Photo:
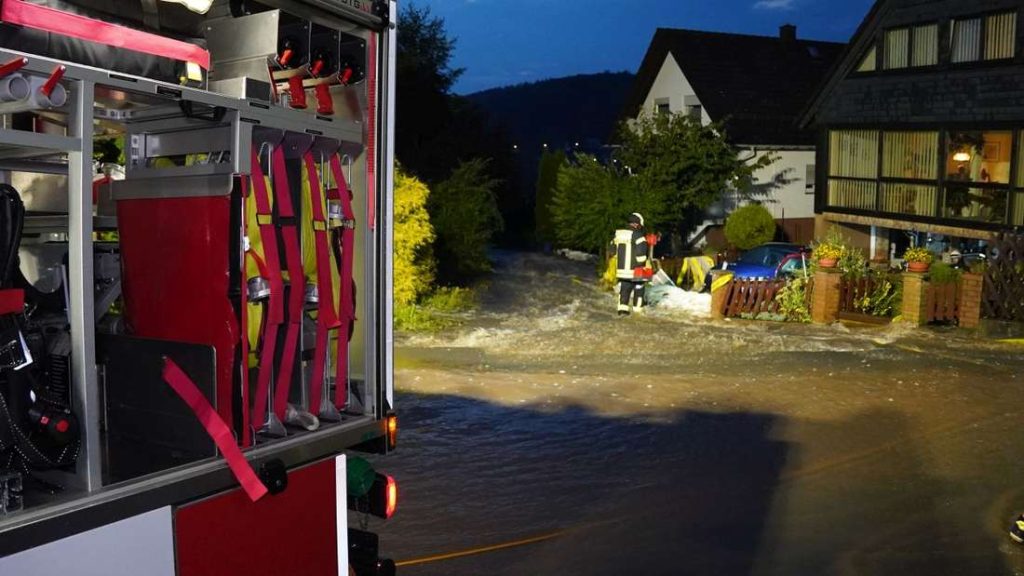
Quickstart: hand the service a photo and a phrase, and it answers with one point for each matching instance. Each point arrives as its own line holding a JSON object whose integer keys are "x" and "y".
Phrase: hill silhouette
{"x": 559, "y": 112}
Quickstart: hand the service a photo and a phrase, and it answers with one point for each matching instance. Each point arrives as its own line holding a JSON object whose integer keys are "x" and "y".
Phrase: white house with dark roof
{"x": 757, "y": 87}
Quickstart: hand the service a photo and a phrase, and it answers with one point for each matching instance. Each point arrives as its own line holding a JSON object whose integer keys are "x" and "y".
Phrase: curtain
{"x": 966, "y": 41}
{"x": 896, "y": 44}
{"x": 926, "y": 46}
{"x": 910, "y": 155}
{"x": 853, "y": 153}
{"x": 1000, "y": 35}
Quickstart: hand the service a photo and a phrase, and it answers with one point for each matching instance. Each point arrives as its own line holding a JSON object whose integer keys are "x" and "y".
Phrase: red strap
{"x": 371, "y": 135}
{"x": 316, "y": 387}
{"x": 216, "y": 428}
{"x": 327, "y": 317}
{"x": 275, "y": 313}
{"x": 325, "y": 285}
{"x": 12, "y": 301}
{"x": 346, "y": 310}
{"x": 296, "y": 280}
{"x": 244, "y": 331}
{"x": 66, "y": 24}
{"x": 268, "y": 232}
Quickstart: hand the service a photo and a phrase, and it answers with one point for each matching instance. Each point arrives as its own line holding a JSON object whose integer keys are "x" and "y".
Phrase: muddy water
{"x": 668, "y": 444}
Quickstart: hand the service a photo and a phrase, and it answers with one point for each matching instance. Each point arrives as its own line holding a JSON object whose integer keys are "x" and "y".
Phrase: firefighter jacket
{"x": 631, "y": 253}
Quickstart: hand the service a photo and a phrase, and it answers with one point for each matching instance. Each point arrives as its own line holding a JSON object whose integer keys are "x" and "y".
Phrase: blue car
{"x": 769, "y": 261}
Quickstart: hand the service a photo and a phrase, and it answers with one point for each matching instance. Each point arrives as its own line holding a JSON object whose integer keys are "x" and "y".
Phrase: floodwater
{"x": 544, "y": 435}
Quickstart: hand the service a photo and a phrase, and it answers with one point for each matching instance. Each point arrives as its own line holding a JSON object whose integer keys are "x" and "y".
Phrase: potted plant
{"x": 918, "y": 259}
{"x": 827, "y": 254}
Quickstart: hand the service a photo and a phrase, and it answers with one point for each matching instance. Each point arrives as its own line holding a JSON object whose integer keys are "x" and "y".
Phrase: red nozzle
{"x": 317, "y": 67}
{"x": 52, "y": 81}
{"x": 13, "y": 66}
{"x": 346, "y": 75}
{"x": 285, "y": 57}
{"x": 296, "y": 92}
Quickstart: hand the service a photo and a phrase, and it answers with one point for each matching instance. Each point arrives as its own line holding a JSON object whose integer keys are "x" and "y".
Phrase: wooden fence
{"x": 943, "y": 302}
{"x": 851, "y": 290}
{"x": 1003, "y": 294}
{"x": 747, "y": 297}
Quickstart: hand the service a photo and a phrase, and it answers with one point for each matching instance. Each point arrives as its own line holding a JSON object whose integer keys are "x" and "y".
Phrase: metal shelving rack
{"x": 149, "y": 113}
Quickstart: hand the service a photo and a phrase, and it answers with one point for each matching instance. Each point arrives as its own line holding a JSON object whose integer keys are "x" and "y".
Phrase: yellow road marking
{"x": 482, "y": 549}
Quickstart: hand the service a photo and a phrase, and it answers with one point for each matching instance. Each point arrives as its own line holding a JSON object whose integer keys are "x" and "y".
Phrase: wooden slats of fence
{"x": 1003, "y": 296}
{"x": 943, "y": 302}
{"x": 853, "y": 289}
{"x": 752, "y": 297}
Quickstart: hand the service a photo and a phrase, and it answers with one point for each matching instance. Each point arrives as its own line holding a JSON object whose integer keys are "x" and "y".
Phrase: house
{"x": 919, "y": 127}
{"x": 757, "y": 86}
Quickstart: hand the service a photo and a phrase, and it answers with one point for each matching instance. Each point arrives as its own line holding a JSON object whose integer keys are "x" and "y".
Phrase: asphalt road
{"x": 543, "y": 436}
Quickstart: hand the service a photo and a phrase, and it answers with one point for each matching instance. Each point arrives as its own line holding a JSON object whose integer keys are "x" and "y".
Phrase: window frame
{"x": 983, "y": 39}
{"x": 1014, "y": 193}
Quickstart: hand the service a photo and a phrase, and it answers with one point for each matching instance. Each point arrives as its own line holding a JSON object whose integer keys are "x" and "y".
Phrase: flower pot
{"x": 827, "y": 262}
{"x": 917, "y": 266}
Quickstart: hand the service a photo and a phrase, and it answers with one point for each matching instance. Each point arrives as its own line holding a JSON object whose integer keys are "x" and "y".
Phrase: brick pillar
{"x": 721, "y": 280}
{"x": 915, "y": 300}
{"x": 970, "y": 299}
{"x": 825, "y": 296}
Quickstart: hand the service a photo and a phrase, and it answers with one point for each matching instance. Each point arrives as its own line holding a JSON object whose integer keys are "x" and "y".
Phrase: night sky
{"x": 503, "y": 42}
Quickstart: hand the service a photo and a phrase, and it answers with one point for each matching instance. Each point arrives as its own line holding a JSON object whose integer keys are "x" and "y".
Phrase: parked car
{"x": 770, "y": 260}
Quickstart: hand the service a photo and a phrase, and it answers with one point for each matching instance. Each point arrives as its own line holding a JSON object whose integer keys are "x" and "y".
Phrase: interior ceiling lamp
{"x": 962, "y": 156}
{"x": 198, "y": 6}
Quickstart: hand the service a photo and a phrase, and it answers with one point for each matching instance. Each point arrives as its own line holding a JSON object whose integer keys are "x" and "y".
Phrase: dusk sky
{"x": 503, "y": 42}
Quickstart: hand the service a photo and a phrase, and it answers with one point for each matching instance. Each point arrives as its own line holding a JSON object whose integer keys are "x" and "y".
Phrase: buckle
{"x": 258, "y": 289}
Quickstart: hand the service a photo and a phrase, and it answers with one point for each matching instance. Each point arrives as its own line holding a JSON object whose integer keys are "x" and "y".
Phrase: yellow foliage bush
{"x": 414, "y": 237}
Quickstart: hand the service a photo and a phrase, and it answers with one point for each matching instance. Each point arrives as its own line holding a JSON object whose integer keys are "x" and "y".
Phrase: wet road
{"x": 668, "y": 444}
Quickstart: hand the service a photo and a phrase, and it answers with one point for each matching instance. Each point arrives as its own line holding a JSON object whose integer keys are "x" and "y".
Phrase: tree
{"x": 464, "y": 212}
{"x": 749, "y": 226}
{"x": 547, "y": 180}
{"x": 683, "y": 164}
{"x": 424, "y": 79}
{"x": 413, "y": 260}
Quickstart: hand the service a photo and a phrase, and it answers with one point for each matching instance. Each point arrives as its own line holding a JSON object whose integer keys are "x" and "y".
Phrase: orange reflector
{"x": 392, "y": 498}
{"x": 392, "y": 431}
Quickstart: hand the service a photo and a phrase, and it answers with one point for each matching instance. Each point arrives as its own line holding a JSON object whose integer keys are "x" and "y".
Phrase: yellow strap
{"x": 721, "y": 282}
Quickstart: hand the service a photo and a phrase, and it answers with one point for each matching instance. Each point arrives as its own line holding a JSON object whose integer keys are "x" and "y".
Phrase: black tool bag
{"x": 164, "y": 18}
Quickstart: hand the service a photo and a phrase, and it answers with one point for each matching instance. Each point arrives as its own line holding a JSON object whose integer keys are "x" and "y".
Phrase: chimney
{"x": 787, "y": 32}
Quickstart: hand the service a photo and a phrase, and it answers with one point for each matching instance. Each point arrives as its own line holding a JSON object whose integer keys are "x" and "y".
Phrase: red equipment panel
{"x": 294, "y": 532}
{"x": 174, "y": 253}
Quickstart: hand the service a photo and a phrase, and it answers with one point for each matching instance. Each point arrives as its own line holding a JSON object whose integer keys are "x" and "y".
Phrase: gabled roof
{"x": 847, "y": 61}
{"x": 758, "y": 85}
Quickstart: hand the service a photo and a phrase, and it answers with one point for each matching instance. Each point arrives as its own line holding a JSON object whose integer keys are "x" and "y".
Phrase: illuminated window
{"x": 868, "y": 63}
{"x": 1000, "y": 36}
{"x": 977, "y": 168}
{"x": 965, "y": 41}
{"x": 926, "y": 46}
{"x": 897, "y": 46}
{"x": 853, "y": 169}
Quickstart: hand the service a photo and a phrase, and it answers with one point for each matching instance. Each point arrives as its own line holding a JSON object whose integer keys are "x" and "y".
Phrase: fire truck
{"x": 195, "y": 286}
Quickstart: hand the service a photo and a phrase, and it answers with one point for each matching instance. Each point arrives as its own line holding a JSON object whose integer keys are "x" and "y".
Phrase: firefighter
{"x": 632, "y": 264}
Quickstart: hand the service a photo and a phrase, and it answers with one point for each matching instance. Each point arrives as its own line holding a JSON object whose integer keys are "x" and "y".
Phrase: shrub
{"x": 464, "y": 213}
{"x": 792, "y": 300}
{"x": 942, "y": 273}
{"x": 414, "y": 264}
{"x": 885, "y": 299}
{"x": 750, "y": 226}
